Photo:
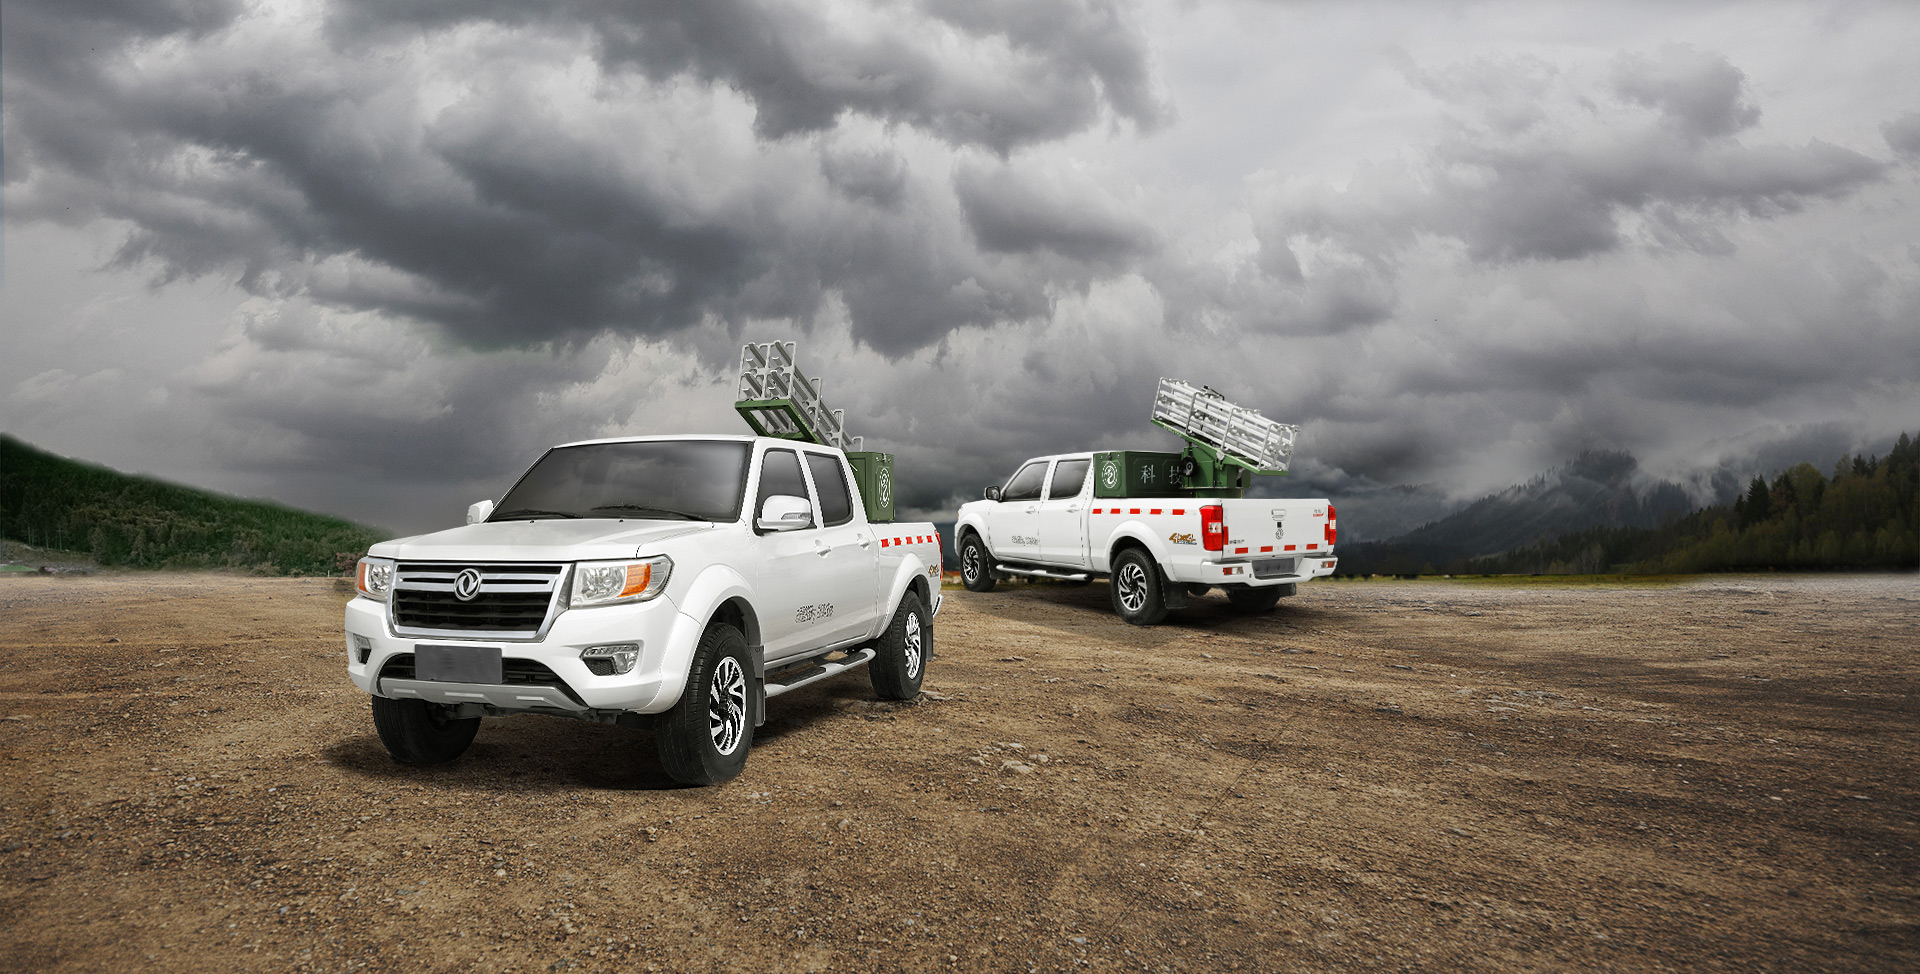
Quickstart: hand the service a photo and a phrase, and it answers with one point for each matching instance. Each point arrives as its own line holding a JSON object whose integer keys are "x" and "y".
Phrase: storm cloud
{"x": 371, "y": 257}
{"x": 518, "y": 173}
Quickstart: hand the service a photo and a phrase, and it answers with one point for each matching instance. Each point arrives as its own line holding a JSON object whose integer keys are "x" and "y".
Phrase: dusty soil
{"x": 1714, "y": 775}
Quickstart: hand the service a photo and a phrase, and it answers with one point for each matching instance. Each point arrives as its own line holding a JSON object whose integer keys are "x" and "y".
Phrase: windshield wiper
{"x": 683, "y": 515}
{"x": 530, "y": 513}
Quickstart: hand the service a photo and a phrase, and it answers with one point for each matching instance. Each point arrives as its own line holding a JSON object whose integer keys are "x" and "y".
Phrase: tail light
{"x": 1213, "y": 527}
{"x": 1333, "y": 530}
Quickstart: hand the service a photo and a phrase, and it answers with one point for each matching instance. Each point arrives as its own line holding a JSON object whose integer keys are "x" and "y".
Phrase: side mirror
{"x": 784, "y": 512}
{"x": 991, "y": 493}
{"x": 479, "y": 512}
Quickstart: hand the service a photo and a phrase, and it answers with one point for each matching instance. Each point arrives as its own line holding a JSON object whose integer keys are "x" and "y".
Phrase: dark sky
{"x": 370, "y": 257}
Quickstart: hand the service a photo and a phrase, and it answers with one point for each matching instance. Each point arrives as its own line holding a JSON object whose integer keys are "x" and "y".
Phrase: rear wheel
{"x": 1255, "y": 599}
{"x": 704, "y": 739}
{"x": 1136, "y": 589}
{"x": 900, "y": 660}
{"x": 418, "y": 732}
{"x": 976, "y": 564}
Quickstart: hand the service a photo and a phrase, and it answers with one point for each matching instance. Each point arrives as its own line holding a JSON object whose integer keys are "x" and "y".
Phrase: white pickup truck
{"x": 675, "y": 582}
{"x": 1048, "y": 522}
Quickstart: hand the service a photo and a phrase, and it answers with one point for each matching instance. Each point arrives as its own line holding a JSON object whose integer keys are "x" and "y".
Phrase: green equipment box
{"x": 874, "y": 473}
{"x": 1135, "y": 473}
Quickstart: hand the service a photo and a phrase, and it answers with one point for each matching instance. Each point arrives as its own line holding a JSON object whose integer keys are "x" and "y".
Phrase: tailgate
{"x": 1276, "y": 534}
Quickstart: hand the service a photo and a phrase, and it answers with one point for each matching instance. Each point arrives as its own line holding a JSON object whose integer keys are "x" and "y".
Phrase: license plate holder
{"x": 1274, "y": 567}
{"x": 457, "y": 664}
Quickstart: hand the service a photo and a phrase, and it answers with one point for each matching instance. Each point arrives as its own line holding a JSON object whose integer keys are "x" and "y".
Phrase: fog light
{"x": 611, "y": 659}
{"x": 362, "y": 648}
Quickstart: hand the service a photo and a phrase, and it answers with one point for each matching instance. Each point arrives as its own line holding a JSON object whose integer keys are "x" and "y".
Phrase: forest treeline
{"x": 52, "y": 502}
{"x": 1865, "y": 516}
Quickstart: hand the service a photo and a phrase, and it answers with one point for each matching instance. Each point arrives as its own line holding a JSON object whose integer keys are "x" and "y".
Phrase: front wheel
{"x": 1136, "y": 589}
{"x": 418, "y": 732}
{"x": 976, "y": 564}
{"x": 900, "y": 660}
{"x": 704, "y": 739}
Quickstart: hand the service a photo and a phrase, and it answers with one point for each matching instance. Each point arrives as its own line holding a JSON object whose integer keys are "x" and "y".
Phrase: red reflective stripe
{"x": 1155, "y": 511}
{"x": 1311, "y": 547}
{"x": 1239, "y": 551}
{"x": 1136, "y": 510}
{"x": 1179, "y": 510}
{"x": 1266, "y": 548}
{"x": 1292, "y": 546}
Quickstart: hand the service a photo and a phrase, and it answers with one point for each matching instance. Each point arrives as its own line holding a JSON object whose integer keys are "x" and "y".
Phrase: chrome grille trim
{"x": 516, "y": 601}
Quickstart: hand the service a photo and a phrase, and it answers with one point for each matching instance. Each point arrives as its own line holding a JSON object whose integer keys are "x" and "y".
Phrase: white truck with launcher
{"x": 1163, "y": 527}
{"x": 671, "y": 582}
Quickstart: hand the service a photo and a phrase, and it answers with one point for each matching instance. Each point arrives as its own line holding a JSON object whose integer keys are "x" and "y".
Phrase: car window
{"x": 1025, "y": 485}
{"x": 779, "y": 474}
{"x": 1068, "y": 477}
{"x": 836, "y": 502}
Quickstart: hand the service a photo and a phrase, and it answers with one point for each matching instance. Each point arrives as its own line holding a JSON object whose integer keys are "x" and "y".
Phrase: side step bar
{"x": 1064, "y": 576}
{"x": 818, "y": 672}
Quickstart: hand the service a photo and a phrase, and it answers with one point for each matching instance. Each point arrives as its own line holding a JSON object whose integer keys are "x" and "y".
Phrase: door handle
{"x": 865, "y": 541}
{"x": 821, "y": 549}
{"x": 1032, "y": 508}
{"x": 1075, "y": 509}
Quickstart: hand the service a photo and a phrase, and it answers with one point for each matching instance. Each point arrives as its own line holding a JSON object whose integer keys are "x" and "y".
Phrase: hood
{"x": 556, "y": 539}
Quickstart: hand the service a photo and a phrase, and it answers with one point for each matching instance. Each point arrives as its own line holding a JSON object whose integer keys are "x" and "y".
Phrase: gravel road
{"x": 1708, "y": 775}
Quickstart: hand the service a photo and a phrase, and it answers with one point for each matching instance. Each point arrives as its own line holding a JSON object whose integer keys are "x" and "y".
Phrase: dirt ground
{"x": 1711, "y": 775}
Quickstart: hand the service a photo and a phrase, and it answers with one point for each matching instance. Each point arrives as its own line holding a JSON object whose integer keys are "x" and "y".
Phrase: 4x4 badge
{"x": 466, "y": 585}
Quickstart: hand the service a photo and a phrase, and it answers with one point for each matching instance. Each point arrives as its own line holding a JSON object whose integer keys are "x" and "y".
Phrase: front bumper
{"x": 651, "y": 687}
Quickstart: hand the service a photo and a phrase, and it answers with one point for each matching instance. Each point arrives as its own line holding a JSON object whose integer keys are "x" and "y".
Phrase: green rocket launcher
{"x": 1225, "y": 442}
{"x": 777, "y": 400}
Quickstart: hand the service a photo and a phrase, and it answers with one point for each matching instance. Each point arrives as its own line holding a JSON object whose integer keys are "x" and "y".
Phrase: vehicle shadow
{"x": 1033, "y": 604}
{"x": 534, "y": 752}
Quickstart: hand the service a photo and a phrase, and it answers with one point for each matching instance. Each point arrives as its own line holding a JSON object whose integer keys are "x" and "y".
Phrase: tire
{"x": 418, "y": 732}
{"x": 976, "y": 564}
{"x": 1252, "y": 599}
{"x": 704, "y": 738}
{"x": 1136, "y": 589}
{"x": 902, "y": 652}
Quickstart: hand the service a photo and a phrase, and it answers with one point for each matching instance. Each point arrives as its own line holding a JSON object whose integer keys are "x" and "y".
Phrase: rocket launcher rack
{"x": 777, "y": 400}
{"x": 1220, "y": 438}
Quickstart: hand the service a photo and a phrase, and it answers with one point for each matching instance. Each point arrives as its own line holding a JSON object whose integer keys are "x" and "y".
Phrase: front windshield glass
{"x": 673, "y": 480}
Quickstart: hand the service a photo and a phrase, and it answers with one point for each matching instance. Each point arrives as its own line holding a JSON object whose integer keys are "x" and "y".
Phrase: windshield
{"x": 673, "y": 480}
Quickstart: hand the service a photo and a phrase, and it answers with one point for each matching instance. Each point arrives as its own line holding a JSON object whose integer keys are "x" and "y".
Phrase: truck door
{"x": 1013, "y": 527}
{"x": 785, "y": 563}
{"x": 1062, "y": 519}
{"x": 847, "y": 576}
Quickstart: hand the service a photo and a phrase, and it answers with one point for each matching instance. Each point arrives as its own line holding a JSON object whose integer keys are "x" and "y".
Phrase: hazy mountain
{"x": 1596, "y": 489}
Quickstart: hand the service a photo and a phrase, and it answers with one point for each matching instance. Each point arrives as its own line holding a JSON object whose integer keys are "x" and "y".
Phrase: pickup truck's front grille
{"x": 509, "y": 602}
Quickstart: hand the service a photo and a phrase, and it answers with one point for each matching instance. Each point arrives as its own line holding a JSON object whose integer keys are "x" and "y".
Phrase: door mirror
{"x": 991, "y": 493}
{"x": 479, "y": 512}
{"x": 784, "y": 512}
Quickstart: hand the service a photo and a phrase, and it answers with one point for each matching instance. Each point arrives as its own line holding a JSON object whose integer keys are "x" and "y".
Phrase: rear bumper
{"x": 1240, "y": 571}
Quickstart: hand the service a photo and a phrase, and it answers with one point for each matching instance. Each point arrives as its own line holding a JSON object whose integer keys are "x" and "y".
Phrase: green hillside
{"x": 139, "y": 522}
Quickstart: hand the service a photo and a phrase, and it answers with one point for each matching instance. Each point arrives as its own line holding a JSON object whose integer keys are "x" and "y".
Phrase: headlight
{"x": 374, "y": 578}
{"x": 611, "y": 582}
